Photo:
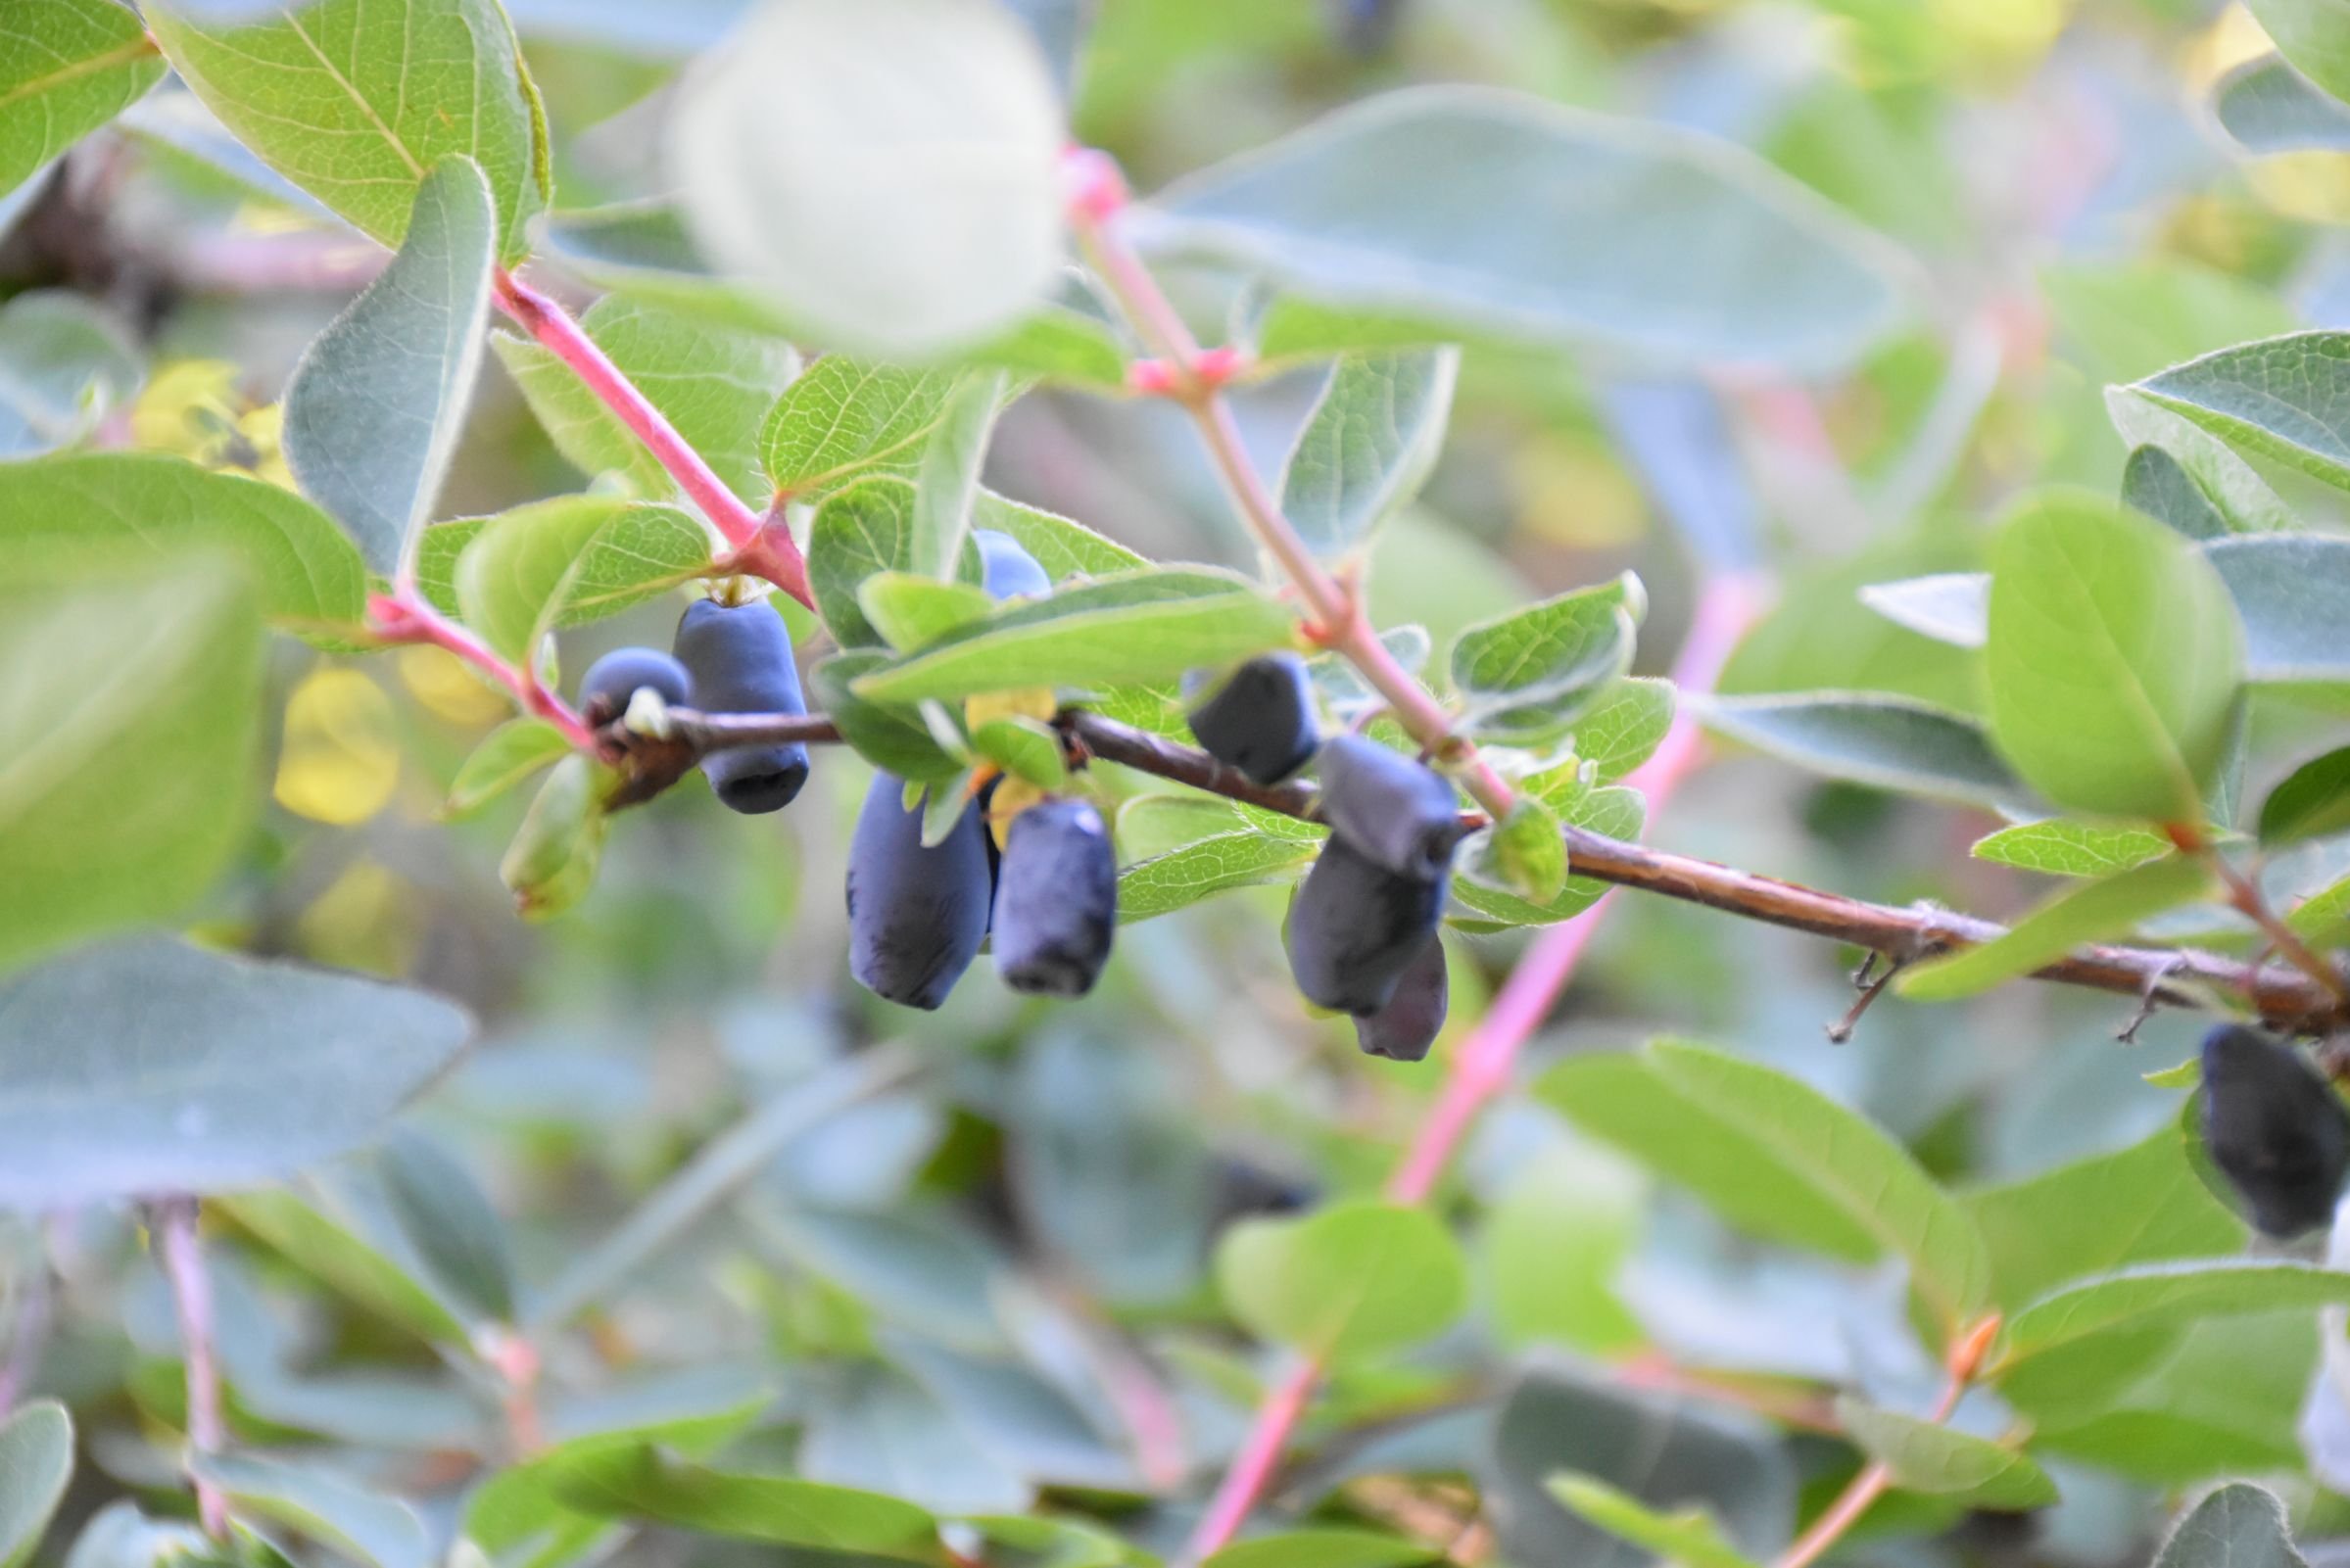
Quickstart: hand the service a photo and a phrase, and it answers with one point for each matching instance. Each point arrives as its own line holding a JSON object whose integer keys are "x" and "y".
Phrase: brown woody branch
{"x": 2283, "y": 996}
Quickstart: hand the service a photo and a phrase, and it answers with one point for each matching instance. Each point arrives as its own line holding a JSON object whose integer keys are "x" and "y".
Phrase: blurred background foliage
{"x": 988, "y": 1236}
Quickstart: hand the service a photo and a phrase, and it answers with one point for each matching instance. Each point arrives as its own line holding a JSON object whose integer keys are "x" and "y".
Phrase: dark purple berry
{"x": 1387, "y": 807}
{"x": 611, "y": 681}
{"x": 2274, "y": 1127}
{"x": 1356, "y": 928}
{"x": 740, "y": 659}
{"x": 1260, "y": 719}
{"x": 916, "y": 915}
{"x": 1056, "y": 904}
{"x": 1404, "y": 1028}
{"x": 1007, "y": 569}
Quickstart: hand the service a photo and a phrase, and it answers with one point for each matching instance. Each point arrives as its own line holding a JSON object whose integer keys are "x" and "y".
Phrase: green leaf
{"x": 571, "y": 559}
{"x": 1952, "y": 607}
{"x": 364, "y": 1525}
{"x": 904, "y": 199}
{"x": 376, "y": 406}
{"x": 2164, "y": 1295}
{"x": 1490, "y": 214}
{"x": 2239, "y": 1525}
{"x": 2086, "y": 912}
{"x": 2158, "y": 485}
{"x": 2314, "y": 800}
{"x": 1528, "y": 675}
{"x": 355, "y": 100}
{"x": 311, "y": 1230}
{"x": 1614, "y": 811}
{"x": 1690, "y": 1537}
{"x": 1776, "y": 1157}
{"x": 1119, "y": 630}
{"x": 309, "y": 577}
{"x": 1868, "y": 737}
{"x": 2143, "y": 1203}
{"x": 449, "y": 1222}
{"x": 71, "y": 67}
{"x": 2310, "y": 34}
{"x": 2294, "y": 595}
{"x": 2062, "y": 847}
{"x": 149, "y": 1065}
{"x": 64, "y": 365}
{"x": 36, "y": 1460}
{"x": 2269, "y": 106}
{"x": 1626, "y": 727}
{"x": 858, "y": 530}
{"x": 1057, "y": 343}
{"x": 505, "y": 757}
{"x": 2115, "y": 659}
{"x": 1064, "y": 549}
{"x": 1023, "y": 747}
{"x": 912, "y": 613}
{"x": 1350, "y": 1282}
{"x": 1928, "y": 1457}
{"x": 1367, "y": 446}
{"x": 947, "y": 478}
{"x": 158, "y": 662}
{"x": 1242, "y": 858}
{"x": 1322, "y": 1548}
{"x": 1522, "y": 854}
{"x": 551, "y": 863}
{"x": 2230, "y": 484}
{"x": 1553, "y": 1243}
{"x": 2286, "y": 398}
{"x": 628, "y": 1479}
{"x": 847, "y": 418}
{"x": 713, "y": 383}
{"x": 894, "y": 740}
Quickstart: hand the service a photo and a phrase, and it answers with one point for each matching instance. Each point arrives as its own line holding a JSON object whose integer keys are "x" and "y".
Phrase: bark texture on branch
{"x": 2283, "y": 996}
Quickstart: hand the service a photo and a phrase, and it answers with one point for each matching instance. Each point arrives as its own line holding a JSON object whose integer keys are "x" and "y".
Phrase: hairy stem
{"x": 1337, "y": 610}
{"x": 775, "y": 557}
{"x": 182, "y": 1257}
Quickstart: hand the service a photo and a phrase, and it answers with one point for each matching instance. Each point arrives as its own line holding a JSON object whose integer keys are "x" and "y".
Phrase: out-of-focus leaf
{"x": 449, "y": 1222}
{"x": 71, "y": 67}
{"x": 357, "y": 100}
{"x": 1952, "y": 607}
{"x": 925, "y": 1272}
{"x": 2229, "y": 483}
{"x": 1367, "y": 446}
{"x": 1888, "y": 741}
{"x": 2238, "y": 1526}
{"x": 881, "y": 1430}
{"x": 2159, "y": 484}
{"x": 571, "y": 559}
{"x": 128, "y": 725}
{"x": 369, "y": 1526}
{"x": 1928, "y": 1457}
{"x": 375, "y": 408}
{"x": 2293, "y": 592}
{"x": 2314, "y": 800}
{"x": 1687, "y": 458}
{"x": 912, "y": 612}
{"x": 946, "y": 480}
{"x": 1322, "y": 1548}
{"x": 2085, "y": 912}
{"x": 2309, "y": 34}
{"x": 550, "y": 863}
{"x": 2062, "y": 847}
{"x": 629, "y": 1479}
{"x": 64, "y": 366}
{"x": 36, "y": 1459}
{"x": 2115, "y": 658}
{"x": 1552, "y": 1246}
{"x": 1688, "y": 1536}
{"x": 1776, "y": 1157}
{"x": 1347, "y": 1283}
{"x": 1124, "y": 629}
{"x": 505, "y": 757}
{"x": 2271, "y": 108}
{"x": 314, "y": 1233}
{"x": 1490, "y": 214}
{"x": 2163, "y": 1294}
{"x": 905, "y": 199}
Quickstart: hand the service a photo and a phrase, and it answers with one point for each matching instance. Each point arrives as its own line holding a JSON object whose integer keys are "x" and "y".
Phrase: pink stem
{"x": 771, "y": 551}
{"x": 1485, "y": 1061}
{"x": 410, "y": 618}
{"x": 175, "y": 1220}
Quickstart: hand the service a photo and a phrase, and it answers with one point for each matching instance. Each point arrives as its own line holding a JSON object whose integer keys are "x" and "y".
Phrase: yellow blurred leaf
{"x": 361, "y": 922}
{"x": 441, "y": 681}
{"x": 339, "y": 762}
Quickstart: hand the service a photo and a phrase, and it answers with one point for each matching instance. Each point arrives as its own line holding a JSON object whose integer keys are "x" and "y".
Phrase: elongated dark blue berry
{"x": 916, "y": 915}
{"x": 1404, "y": 1028}
{"x": 611, "y": 681}
{"x": 2274, "y": 1127}
{"x": 1390, "y": 808}
{"x": 1356, "y": 928}
{"x": 1056, "y": 901}
{"x": 1009, "y": 571}
{"x": 1259, "y": 719}
{"x": 740, "y": 660}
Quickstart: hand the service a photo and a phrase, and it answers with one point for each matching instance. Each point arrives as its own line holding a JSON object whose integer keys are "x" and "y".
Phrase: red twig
{"x": 768, "y": 553}
{"x": 182, "y": 1257}
{"x": 396, "y": 618}
{"x": 1484, "y": 1061}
